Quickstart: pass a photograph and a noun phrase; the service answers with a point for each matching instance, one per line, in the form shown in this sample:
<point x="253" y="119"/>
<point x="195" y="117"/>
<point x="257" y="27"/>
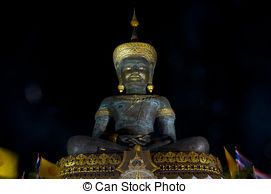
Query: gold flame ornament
<point x="134" y="22"/>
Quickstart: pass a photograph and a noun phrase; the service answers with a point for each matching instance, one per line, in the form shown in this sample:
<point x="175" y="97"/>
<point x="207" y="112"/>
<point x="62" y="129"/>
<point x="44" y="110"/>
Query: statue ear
<point x="150" y="86"/>
<point x="151" y="75"/>
<point x="121" y="87"/>
<point x="118" y="71"/>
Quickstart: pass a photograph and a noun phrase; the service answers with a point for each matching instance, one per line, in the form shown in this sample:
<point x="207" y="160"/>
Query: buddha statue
<point x="140" y="118"/>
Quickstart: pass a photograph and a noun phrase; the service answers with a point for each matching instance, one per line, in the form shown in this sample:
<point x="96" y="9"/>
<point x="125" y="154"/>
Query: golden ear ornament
<point x="150" y="88"/>
<point x="121" y="88"/>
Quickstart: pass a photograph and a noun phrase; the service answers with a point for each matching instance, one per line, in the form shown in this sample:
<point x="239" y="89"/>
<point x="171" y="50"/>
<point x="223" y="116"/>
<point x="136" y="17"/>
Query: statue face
<point x="135" y="71"/>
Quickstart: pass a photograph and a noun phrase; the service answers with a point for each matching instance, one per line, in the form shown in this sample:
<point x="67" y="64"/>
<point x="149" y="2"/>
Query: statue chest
<point x="135" y="109"/>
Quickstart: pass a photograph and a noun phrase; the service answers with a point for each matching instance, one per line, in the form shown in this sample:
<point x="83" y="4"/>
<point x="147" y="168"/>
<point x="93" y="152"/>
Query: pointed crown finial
<point x="135" y="48"/>
<point x="134" y="22"/>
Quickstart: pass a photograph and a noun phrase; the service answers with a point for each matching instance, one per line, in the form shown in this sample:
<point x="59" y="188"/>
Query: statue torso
<point x="133" y="113"/>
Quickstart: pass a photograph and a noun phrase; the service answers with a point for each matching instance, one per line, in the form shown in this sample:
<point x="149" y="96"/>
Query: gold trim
<point x="134" y="49"/>
<point x="122" y="162"/>
<point x="187" y="175"/>
<point x="166" y="112"/>
<point x="135" y="97"/>
<point x="165" y="164"/>
<point x="138" y="147"/>
<point x="96" y="164"/>
<point x="192" y="161"/>
<point x="189" y="167"/>
<point x="114" y="137"/>
<point x="102" y="112"/>
<point x="155" y="167"/>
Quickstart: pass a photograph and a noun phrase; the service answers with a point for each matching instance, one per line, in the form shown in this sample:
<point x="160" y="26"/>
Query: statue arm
<point x="166" y="119"/>
<point x="102" y="117"/>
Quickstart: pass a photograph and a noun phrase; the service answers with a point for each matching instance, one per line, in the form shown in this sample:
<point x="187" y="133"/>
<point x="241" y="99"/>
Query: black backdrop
<point x="213" y="66"/>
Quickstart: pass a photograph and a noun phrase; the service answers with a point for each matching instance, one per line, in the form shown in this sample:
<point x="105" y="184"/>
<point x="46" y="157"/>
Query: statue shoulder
<point x="105" y="108"/>
<point x="106" y="103"/>
<point x="107" y="100"/>
<point x="165" y="109"/>
<point x="163" y="102"/>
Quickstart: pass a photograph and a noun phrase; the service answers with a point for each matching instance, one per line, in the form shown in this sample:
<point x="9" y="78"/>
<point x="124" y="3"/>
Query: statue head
<point x="135" y="63"/>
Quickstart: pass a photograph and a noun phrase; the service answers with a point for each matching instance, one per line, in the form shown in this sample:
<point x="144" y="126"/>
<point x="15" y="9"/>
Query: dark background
<point x="213" y="66"/>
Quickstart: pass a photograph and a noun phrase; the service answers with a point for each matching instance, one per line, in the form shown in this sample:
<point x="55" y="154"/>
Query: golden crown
<point x="134" y="48"/>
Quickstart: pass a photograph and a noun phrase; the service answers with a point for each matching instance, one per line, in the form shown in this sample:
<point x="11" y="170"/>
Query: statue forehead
<point x="134" y="60"/>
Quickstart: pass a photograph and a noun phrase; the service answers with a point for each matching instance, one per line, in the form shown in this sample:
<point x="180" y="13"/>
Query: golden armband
<point x="166" y="112"/>
<point x="102" y="112"/>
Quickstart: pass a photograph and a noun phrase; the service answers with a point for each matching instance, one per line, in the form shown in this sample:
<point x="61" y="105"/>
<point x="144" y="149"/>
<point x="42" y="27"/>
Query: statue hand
<point x="132" y="140"/>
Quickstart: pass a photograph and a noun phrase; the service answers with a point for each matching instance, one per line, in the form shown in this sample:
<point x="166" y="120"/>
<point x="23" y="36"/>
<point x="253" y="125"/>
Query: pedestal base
<point x="141" y="164"/>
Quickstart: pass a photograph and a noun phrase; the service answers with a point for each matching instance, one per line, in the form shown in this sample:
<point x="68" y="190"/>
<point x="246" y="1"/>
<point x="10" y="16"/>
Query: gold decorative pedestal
<point x="187" y="165"/>
<point x="141" y="164"/>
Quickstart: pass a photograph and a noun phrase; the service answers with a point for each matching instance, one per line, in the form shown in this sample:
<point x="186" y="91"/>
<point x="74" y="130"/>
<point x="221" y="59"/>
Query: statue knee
<point x="200" y="145"/>
<point x="79" y="145"/>
<point x="191" y="144"/>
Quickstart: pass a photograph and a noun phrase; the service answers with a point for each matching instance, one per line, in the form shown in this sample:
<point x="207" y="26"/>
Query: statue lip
<point x="134" y="77"/>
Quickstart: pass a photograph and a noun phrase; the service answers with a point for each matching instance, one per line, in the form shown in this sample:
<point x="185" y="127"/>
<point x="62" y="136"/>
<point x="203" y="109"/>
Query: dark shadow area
<point x="213" y="66"/>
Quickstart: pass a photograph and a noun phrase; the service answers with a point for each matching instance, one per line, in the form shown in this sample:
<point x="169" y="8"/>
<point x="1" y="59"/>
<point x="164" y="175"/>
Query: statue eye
<point x="141" y="68"/>
<point x="128" y="68"/>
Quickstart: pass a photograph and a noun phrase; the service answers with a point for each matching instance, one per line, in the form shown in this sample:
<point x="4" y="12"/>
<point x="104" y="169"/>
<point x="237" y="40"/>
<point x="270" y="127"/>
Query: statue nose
<point x="136" y="68"/>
